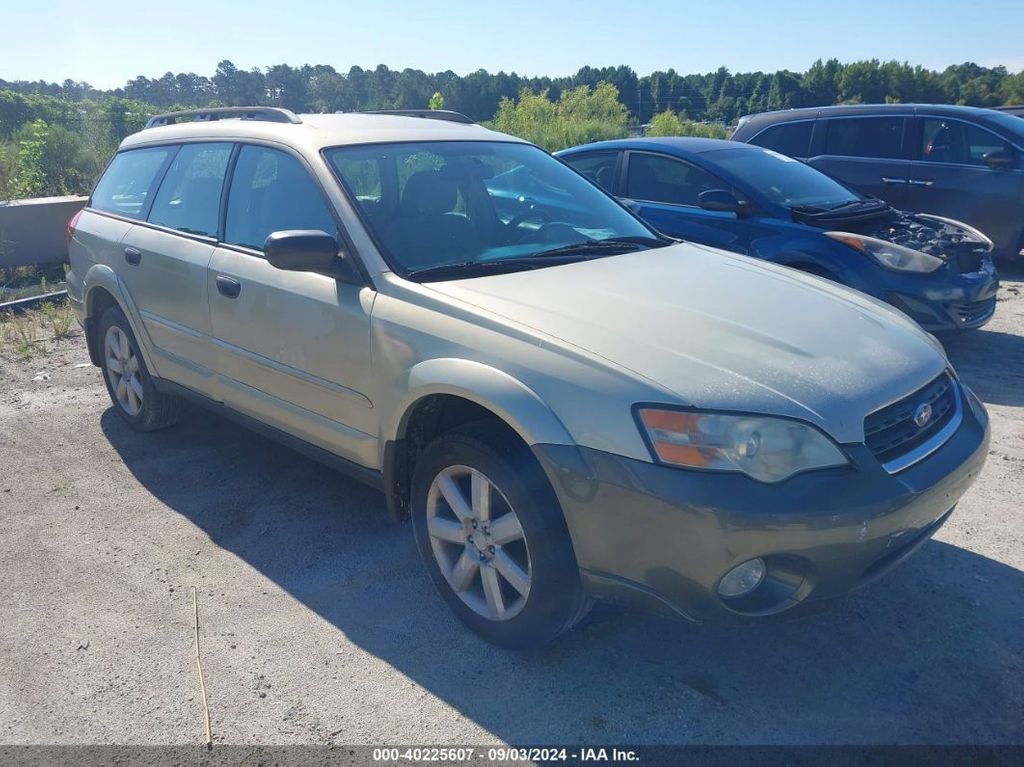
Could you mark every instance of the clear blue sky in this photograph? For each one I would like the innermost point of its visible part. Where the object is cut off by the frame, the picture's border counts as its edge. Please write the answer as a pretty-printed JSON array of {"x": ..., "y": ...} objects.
[{"x": 107, "y": 42}]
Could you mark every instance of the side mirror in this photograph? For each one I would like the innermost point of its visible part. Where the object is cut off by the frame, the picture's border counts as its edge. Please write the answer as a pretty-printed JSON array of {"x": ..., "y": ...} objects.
[
  {"x": 722, "y": 200},
  {"x": 1000, "y": 159},
  {"x": 302, "y": 250}
]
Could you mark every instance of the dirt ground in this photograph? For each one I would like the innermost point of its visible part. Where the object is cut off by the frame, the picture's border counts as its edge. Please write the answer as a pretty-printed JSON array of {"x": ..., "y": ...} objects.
[{"x": 318, "y": 624}]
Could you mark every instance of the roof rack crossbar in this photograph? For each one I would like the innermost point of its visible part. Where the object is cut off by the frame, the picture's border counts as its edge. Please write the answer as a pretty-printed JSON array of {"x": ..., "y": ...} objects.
[
  {"x": 427, "y": 114},
  {"x": 265, "y": 114}
]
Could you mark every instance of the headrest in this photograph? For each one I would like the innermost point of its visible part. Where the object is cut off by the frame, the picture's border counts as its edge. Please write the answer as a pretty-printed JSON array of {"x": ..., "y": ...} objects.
[{"x": 429, "y": 192}]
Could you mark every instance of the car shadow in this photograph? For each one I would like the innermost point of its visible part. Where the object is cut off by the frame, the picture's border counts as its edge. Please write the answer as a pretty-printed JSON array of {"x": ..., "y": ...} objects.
[
  {"x": 932, "y": 653},
  {"x": 973, "y": 353}
]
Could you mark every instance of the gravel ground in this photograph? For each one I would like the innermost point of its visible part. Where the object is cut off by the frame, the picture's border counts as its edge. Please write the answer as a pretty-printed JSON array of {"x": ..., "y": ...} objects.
[{"x": 319, "y": 625}]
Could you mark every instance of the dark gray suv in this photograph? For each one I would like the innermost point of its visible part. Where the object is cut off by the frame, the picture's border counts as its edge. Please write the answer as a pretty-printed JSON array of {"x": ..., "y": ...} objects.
[{"x": 962, "y": 162}]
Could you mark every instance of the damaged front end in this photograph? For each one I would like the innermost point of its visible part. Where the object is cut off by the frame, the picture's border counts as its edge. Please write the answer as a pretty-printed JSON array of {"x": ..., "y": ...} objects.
[{"x": 940, "y": 271}]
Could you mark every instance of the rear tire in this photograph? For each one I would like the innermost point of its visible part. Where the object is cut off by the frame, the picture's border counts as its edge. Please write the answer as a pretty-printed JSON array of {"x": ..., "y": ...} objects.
[
  {"x": 492, "y": 536},
  {"x": 128, "y": 381}
]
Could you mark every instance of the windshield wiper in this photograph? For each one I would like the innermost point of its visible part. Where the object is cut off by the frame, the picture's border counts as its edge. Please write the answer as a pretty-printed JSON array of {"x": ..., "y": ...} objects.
[
  {"x": 497, "y": 265},
  {"x": 619, "y": 245}
]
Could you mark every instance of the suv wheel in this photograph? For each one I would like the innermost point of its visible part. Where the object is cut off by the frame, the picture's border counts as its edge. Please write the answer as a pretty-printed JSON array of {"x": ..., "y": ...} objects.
[
  {"x": 491, "y": 533},
  {"x": 129, "y": 384}
]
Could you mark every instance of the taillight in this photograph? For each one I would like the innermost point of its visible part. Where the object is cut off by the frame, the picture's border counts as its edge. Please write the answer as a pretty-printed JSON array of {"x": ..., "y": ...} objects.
[{"x": 69, "y": 232}]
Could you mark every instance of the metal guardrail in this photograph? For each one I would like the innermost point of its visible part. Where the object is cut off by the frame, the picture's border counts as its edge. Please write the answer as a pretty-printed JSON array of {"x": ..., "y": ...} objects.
[
  {"x": 32, "y": 302},
  {"x": 32, "y": 232}
]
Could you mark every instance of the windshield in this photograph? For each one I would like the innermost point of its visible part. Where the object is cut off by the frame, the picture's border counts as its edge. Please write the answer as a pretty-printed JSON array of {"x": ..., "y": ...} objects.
[
  {"x": 433, "y": 204},
  {"x": 783, "y": 180}
]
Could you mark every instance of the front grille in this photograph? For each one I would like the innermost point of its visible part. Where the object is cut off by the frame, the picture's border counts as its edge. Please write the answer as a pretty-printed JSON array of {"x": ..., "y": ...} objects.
[
  {"x": 973, "y": 312},
  {"x": 891, "y": 433}
]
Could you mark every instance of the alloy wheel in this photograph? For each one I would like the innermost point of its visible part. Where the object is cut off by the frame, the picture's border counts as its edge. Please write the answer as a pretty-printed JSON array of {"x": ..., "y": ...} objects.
[
  {"x": 478, "y": 543},
  {"x": 123, "y": 369}
]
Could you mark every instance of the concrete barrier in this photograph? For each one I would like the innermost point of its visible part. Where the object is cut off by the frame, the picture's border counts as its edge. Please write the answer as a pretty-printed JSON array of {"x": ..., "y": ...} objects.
[{"x": 33, "y": 231}]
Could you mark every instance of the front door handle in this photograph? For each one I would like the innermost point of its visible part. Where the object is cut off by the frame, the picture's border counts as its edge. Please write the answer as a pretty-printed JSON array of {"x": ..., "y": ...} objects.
[
  {"x": 133, "y": 256},
  {"x": 921, "y": 182},
  {"x": 887, "y": 180},
  {"x": 228, "y": 286}
]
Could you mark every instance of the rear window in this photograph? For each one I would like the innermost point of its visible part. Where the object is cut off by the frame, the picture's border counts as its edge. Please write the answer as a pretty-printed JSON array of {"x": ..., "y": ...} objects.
[
  {"x": 189, "y": 196},
  {"x": 129, "y": 180},
  {"x": 864, "y": 137},
  {"x": 791, "y": 139}
]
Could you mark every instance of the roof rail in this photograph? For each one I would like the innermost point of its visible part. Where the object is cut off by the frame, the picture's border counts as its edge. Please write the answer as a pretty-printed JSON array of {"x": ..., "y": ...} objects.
[
  {"x": 265, "y": 114},
  {"x": 427, "y": 114}
]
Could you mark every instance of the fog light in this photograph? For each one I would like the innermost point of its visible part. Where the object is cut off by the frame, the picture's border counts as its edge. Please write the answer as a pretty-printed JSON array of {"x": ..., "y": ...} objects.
[{"x": 743, "y": 579}]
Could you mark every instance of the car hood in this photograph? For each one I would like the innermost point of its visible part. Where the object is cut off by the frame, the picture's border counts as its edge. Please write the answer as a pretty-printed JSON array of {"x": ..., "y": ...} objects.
[{"x": 722, "y": 331}]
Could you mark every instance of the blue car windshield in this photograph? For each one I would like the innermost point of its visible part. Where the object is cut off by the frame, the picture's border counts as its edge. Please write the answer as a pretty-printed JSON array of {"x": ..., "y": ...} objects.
[
  {"x": 458, "y": 203},
  {"x": 783, "y": 180}
]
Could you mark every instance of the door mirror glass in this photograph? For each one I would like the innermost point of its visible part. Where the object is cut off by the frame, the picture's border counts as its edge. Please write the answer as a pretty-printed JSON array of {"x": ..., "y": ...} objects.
[
  {"x": 999, "y": 159},
  {"x": 302, "y": 250},
  {"x": 721, "y": 200}
]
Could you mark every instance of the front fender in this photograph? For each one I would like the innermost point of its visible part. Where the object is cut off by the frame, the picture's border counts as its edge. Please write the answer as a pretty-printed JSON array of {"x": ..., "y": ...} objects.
[{"x": 507, "y": 397}]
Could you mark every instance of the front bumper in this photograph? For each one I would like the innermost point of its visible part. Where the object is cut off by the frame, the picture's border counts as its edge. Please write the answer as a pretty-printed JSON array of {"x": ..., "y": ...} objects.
[
  {"x": 960, "y": 302},
  {"x": 662, "y": 537}
]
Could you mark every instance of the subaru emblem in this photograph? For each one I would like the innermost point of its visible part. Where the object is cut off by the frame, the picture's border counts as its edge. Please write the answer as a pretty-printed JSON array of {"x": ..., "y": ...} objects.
[{"x": 923, "y": 415}]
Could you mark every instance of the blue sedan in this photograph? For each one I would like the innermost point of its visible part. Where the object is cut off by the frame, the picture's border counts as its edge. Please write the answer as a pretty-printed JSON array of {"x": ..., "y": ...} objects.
[{"x": 760, "y": 203}]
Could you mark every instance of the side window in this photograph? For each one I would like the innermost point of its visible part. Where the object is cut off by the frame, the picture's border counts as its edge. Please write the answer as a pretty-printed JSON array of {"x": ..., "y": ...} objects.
[
  {"x": 957, "y": 142},
  {"x": 864, "y": 137},
  {"x": 189, "y": 195},
  {"x": 271, "y": 191},
  {"x": 128, "y": 179},
  {"x": 663, "y": 179},
  {"x": 791, "y": 139},
  {"x": 599, "y": 167}
]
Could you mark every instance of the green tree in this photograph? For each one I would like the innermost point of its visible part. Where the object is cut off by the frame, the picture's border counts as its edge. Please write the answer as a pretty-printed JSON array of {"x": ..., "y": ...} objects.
[{"x": 436, "y": 101}]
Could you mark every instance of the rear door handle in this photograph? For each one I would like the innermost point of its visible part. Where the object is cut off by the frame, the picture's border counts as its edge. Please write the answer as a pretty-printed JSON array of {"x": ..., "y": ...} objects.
[
  {"x": 887, "y": 180},
  {"x": 920, "y": 182},
  {"x": 133, "y": 256},
  {"x": 228, "y": 286}
]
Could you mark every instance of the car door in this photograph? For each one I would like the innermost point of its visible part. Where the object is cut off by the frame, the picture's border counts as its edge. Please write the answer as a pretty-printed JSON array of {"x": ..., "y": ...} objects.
[
  {"x": 166, "y": 259},
  {"x": 950, "y": 178},
  {"x": 293, "y": 348},
  {"x": 866, "y": 153},
  {"x": 667, "y": 190}
]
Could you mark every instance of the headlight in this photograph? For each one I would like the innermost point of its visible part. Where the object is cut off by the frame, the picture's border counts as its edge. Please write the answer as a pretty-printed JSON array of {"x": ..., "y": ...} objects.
[
  {"x": 766, "y": 449},
  {"x": 889, "y": 254},
  {"x": 960, "y": 227}
]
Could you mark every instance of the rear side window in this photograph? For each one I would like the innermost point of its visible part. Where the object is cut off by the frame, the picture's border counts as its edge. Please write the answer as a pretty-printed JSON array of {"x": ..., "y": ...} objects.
[
  {"x": 791, "y": 139},
  {"x": 128, "y": 180},
  {"x": 599, "y": 167},
  {"x": 189, "y": 196},
  {"x": 663, "y": 179},
  {"x": 957, "y": 142},
  {"x": 270, "y": 192},
  {"x": 864, "y": 137}
]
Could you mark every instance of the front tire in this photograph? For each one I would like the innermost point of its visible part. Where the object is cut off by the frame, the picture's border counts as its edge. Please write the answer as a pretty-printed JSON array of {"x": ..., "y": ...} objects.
[
  {"x": 128, "y": 381},
  {"x": 492, "y": 536}
]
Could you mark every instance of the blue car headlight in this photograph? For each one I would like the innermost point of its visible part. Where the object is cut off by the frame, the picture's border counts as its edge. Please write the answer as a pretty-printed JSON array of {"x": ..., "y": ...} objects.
[{"x": 889, "y": 254}]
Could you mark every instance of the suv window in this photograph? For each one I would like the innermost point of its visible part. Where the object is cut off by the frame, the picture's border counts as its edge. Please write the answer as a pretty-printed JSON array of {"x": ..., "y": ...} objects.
[
  {"x": 189, "y": 195},
  {"x": 128, "y": 179},
  {"x": 663, "y": 179},
  {"x": 272, "y": 191},
  {"x": 599, "y": 167},
  {"x": 958, "y": 142},
  {"x": 791, "y": 139},
  {"x": 864, "y": 136}
]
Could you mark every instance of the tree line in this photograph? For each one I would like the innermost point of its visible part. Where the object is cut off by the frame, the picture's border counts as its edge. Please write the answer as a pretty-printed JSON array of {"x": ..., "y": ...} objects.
[
  {"x": 55, "y": 138},
  {"x": 719, "y": 96}
]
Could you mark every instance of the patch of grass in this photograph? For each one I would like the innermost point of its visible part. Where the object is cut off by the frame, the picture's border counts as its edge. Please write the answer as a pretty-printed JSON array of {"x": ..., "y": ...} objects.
[
  {"x": 60, "y": 319},
  {"x": 20, "y": 336}
]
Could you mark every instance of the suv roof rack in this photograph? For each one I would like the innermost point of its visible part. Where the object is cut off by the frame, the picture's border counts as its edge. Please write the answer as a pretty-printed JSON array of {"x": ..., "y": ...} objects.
[
  {"x": 427, "y": 114},
  {"x": 266, "y": 114}
]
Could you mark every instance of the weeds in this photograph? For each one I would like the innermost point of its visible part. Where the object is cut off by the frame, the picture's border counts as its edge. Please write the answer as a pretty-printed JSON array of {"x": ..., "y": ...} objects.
[
  {"x": 60, "y": 318},
  {"x": 30, "y": 334}
]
